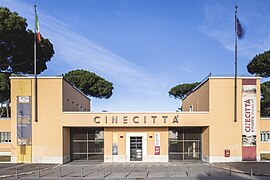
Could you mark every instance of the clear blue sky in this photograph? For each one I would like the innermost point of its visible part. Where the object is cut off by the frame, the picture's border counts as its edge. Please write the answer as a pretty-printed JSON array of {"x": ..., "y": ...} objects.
[{"x": 147, "y": 47}]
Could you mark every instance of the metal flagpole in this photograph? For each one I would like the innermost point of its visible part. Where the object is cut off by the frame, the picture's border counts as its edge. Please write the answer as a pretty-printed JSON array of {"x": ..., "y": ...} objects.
[
  {"x": 35, "y": 63},
  {"x": 235, "y": 68}
]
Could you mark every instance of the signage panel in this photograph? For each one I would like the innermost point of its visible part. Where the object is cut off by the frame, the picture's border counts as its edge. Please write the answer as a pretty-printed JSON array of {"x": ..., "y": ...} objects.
[
  {"x": 24, "y": 121},
  {"x": 249, "y": 115}
]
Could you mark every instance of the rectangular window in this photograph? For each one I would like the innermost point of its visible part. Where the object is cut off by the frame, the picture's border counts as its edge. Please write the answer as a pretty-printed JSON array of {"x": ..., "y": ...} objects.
[
  {"x": 191, "y": 108},
  {"x": 265, "y": 136},
  {"x": 5, "y": 137}
]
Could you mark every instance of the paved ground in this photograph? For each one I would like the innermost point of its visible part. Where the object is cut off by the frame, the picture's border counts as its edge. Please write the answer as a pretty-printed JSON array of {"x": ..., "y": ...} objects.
[{"x": 183, "y": 170}]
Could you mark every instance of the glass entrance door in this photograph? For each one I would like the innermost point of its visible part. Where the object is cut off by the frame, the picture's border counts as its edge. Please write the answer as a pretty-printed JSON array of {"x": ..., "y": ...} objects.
[
  {"x": 135, "y": 148},
  {"x": 185, "y": 144},
  {"x": 87, "y": 144}
]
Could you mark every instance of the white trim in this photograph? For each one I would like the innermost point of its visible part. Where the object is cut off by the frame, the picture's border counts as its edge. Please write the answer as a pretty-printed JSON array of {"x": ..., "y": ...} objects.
[
  {"x": 156, "y": 158},
  {"x": 225, "y": 159},
  {"x": 39, "y": 77},
  {"x": 266, "y": 152},
  {"x": 66, "y": 158},
  {"x": 231, "y": 77},
  {"x": 5, "y": 153},
  {"x": 48, "y": 160},
  {"x": 205, "y": 158},
  {"x": 265, "y": 118},
  {"x": 134, "y": 113},
  {"x": 13, "y": 159},
  {"x": 144, "y": 145}
]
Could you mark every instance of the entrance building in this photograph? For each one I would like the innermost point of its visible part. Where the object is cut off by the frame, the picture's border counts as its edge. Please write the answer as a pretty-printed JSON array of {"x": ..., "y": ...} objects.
[{"x": 58, "y": 126}]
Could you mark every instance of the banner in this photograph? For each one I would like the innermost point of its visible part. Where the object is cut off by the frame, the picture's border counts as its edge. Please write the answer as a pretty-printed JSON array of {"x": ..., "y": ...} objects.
[
  {"x": 24, "y": 123},
  {"x": 249, "y": 115}
]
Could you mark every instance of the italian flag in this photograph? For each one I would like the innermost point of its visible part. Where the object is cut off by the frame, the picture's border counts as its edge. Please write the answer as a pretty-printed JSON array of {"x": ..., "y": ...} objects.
[{"x": 37, "y": 29}]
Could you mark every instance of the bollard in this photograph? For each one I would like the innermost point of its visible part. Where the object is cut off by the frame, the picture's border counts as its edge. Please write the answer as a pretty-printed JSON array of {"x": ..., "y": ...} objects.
[
  {"x": 209, "y": 170},
  {"x": 188, "y": 171},
  {"x": 125, "y": 171},
  {"x": 38, "y": 173},
  {"x": 16, "y": 173},
  {"x": 60, "y": 172},
  {"x": 230, "y": 173},
  {"x": 82, "y": 172},
  {"x": 104, "y": 172},
  {"x": 251, "y": 172},
  {"x": 167, "y": 175}
]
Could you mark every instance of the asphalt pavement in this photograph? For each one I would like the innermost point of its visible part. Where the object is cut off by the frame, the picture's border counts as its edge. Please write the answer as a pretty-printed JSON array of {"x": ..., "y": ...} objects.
[{"x": 170, "y": 170}]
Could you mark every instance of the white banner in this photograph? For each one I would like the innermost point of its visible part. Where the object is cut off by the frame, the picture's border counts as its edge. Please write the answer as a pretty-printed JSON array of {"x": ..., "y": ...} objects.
[
  {"x": 157, "y": 139},
  {"x": 249, "y": 115}
]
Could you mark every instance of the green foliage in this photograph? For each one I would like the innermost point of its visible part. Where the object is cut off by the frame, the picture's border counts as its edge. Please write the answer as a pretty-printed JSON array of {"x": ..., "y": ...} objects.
[
  {"x": 16, "y": 45},
  {"x": 265, "y": 99},
  {"x": 90, "y": 83},
  {"x": 181, "y": 90},
  {"x": 4, "y": 87},
  {"x": 260, "y": 64}
]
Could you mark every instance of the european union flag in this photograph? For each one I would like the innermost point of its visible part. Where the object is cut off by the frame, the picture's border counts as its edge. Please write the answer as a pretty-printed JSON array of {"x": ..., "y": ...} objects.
[{"x": 239, "y": 29}]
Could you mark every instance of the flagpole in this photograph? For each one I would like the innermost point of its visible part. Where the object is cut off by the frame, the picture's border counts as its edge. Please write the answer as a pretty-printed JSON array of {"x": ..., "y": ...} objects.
[
  {"x": 235, "y": 68},
  {"x": 35, "y": 62}
]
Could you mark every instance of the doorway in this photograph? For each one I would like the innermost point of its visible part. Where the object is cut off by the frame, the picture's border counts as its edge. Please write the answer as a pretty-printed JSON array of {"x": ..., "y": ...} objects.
[{"x": 136, "y": 149}]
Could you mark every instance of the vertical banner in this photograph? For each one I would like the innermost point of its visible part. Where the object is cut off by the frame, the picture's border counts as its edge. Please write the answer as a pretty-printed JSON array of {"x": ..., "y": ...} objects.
[
  {"x": 249, "y": 115},
  {"x": 24, "y": 121},
  {"x": 115, "y": 144},
  {"x": 157, "y": 143}
]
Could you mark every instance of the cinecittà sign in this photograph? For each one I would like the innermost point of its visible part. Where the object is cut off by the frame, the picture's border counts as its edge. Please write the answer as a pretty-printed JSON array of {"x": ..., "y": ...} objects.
[{"x": 129, "y": 119}]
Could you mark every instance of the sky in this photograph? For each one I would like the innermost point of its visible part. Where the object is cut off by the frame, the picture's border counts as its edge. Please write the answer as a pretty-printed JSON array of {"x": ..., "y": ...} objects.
[{"x": 146, "y": 47}]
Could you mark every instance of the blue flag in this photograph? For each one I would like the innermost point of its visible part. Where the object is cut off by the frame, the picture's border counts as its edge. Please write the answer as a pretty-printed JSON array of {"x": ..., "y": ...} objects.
[{"x": 239, "y": 29}]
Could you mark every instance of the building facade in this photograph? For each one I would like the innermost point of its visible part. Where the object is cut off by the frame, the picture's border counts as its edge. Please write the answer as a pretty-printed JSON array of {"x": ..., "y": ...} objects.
[{"x": 64, "y": 129}]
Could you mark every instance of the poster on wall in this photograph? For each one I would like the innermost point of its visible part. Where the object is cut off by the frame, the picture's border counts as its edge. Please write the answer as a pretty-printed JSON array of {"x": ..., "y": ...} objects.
[
  {"x": 249, "y": 120},
  {"x": 157, "y": 143},
  {"x": 115, "y": 144},
  {"x": 24, "y": 121}
]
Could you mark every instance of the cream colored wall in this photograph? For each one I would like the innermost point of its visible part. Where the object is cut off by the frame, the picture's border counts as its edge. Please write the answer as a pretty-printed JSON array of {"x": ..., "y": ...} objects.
[
  {"x": 199, "y": 99},
  {"x": 108, "y": 140},
  {"x": 224, "y": 132},
  {"x": 86, "y": 119},
  {"x": 205, "y": 144},
  {"x": 19, "y": 87},
  {"x": 265, "y": 126},
  {"x": 66, "y": 144},
  {"x": 47, "y": 133},
  {"x": 5, "y": 126},
  {"x": 50, "y": 142},
  {"x": 122, "y": 141},
  {"x": 72, "y": 99}
]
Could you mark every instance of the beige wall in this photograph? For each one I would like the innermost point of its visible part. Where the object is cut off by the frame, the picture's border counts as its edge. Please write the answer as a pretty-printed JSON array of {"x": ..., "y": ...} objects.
[
  {"x": 150, "y": 136},
  {"x": 199, "y": 99},
  {"x": 73, "y": 99},
  {"x": 265, "y": 126},
  {"x": 66, "y": 144},
  {"x": 5, "y": 126},
  {"x": 51, "y": 134},
  {"x": 205, "y": 144}
]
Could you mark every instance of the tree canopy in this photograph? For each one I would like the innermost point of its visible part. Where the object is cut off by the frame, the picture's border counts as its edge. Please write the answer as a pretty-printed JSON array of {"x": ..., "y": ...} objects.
[
  {"x": 265, "y": 99},
  {"x": 4, "y": 87},
  {"x": 260, "y": 64},
  {"x": 16, "y": 45},
  {"x": 181, "y": 90},
  {"x": 90, "y": 83}
]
